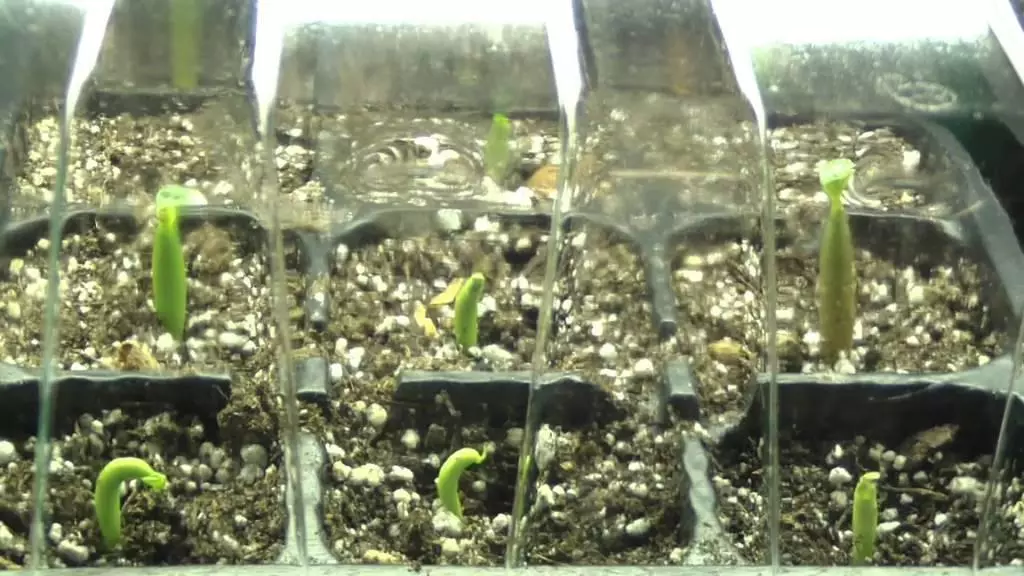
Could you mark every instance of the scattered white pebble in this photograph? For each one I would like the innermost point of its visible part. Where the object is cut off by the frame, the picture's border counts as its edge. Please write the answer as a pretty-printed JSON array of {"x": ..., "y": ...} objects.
[
  {"x": 401, "y": 474},
  {"x": 410, "y": 439},
  {"x": 545, "y": 446},
  {"x": 231, "y": 341},
  {"x": 6, "y": 537},
  {"x": 887, "y": 527},
  {"x": 496, "y": 354},
  {"x": 355, "y": 357},
  {"x": 607, "y": 352},
  {"x": 967, "y": 485},
  {"x": 643, "y": 368},
  {"x": 341, "y": 471},
  {"x": 72, "y": 553},
  {"x": 165, "y": 343},
  {"x": 376, "y": 415},
  {"x": 450, "y": 547},
  {"x": 915, "y": 294},
  {"x": 446, "y": 523},
  {"x": 449, "y": 219},
  {"x": 839, "y": 476},
  {"x": 336, "y": 372},
  {"x": 255, "y": 455},
  {"x": 899, "y": 462},
  {"x": 840, "y": 499},
  {"x": 8, "y": 452},
  {"x": 370, "y": 475},
  {"x": 56, "y": 532},
  {"x": 638, "y": 527}
]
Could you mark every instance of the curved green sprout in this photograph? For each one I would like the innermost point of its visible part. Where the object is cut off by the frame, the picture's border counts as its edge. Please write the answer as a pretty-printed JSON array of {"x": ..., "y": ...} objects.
[
  {"x": 865, "y": 517},
  {"x": 170, "y": 289},
  {"x": 496, "y": 151},
  {"x": 466, "y": 321},
  {"x": 837, "y": 282},
  {"x": 448, "y": 477},
  {"x": 107, "y": 497}
]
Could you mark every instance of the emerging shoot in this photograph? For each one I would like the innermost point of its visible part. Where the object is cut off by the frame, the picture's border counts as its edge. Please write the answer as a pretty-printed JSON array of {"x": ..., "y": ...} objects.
[
  {"x": 107, "y": 497},
  {"x": 865, "y": 517},
  {"x": 466, "y": 321},
  {"x": 496, "y": 151},
  {"x": 448, "y": 478},
  {"x": 837, "y": 282},
  {"x": 170, "y": 290}
]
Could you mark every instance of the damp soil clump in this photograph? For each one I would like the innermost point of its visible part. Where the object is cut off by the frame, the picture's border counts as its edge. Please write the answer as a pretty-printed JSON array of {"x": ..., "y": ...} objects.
[
  {"x": 221, "y": 505},
  {"x": 601, "y": 473},
  {"x": 930, "y": 496}
]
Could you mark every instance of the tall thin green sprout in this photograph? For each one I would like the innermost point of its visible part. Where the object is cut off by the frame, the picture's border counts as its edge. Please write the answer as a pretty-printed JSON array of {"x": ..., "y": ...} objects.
[
  {"x": 186, "y": 38},
  {"x": 837, "y": 280}
]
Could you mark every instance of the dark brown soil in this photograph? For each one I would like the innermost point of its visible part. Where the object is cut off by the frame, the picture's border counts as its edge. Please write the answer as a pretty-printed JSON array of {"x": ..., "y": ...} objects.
[
  {"x": 217, "y": 509},
  {"x": 597, "y": 487},
  {"x": 929, "y": 497}
]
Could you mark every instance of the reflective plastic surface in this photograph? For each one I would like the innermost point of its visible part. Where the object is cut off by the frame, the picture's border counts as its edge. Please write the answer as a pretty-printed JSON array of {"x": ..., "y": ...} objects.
[{"x": 586, "y": 239}]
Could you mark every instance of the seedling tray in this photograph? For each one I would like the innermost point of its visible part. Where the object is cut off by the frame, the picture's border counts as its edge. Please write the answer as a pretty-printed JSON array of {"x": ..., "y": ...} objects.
[{"x": 624, "y": 478}]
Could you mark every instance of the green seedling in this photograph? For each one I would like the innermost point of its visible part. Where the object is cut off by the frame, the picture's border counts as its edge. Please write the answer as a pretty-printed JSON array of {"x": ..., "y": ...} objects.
[
  {"x": 186, "y": 41},
  {"x": 170, "y": 289},
  {"x": 466, "y": 321},
  {"x": 448, "y": 478},
  {"x": 837, "y": 282},
  {"x": 865, "y": 517},
  {"x": 496, "y": 151},
  {"x": 107, "y": 497}
]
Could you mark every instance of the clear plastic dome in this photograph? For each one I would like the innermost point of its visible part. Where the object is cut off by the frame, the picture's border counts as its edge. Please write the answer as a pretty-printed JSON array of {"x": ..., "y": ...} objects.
[{"x": 627, "y": 287}]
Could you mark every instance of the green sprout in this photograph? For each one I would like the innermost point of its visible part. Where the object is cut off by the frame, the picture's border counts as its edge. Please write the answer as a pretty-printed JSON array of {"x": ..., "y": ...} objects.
[
  {"x": 107, "y": 497},
  {"x": 186, "y": 40},
  {"x": 865, "y": 517},
  {"x": 448, "y": 477},
  {"x": 170, "y": 289},
  {"x": 837, "y": 282},
  {"x": 496, "y": 151},
  {"x": 466, "y": 321}
]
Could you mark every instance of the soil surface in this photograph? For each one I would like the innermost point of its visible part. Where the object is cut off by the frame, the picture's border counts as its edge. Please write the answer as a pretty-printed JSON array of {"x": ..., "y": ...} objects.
[
  {"x": 595, "y": 498},
  {"x": 896, "y": 171},
  {"x": 122, "y": 157},
  {"x": 929, "y": 496},
  {"x": 224, "y": 503}
]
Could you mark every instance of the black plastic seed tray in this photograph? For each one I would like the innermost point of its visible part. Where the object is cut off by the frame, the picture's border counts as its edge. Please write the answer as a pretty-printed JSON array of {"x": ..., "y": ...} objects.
[
  {"x": 971, "y": 398},
  {"x": 885, "y": 408}
]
